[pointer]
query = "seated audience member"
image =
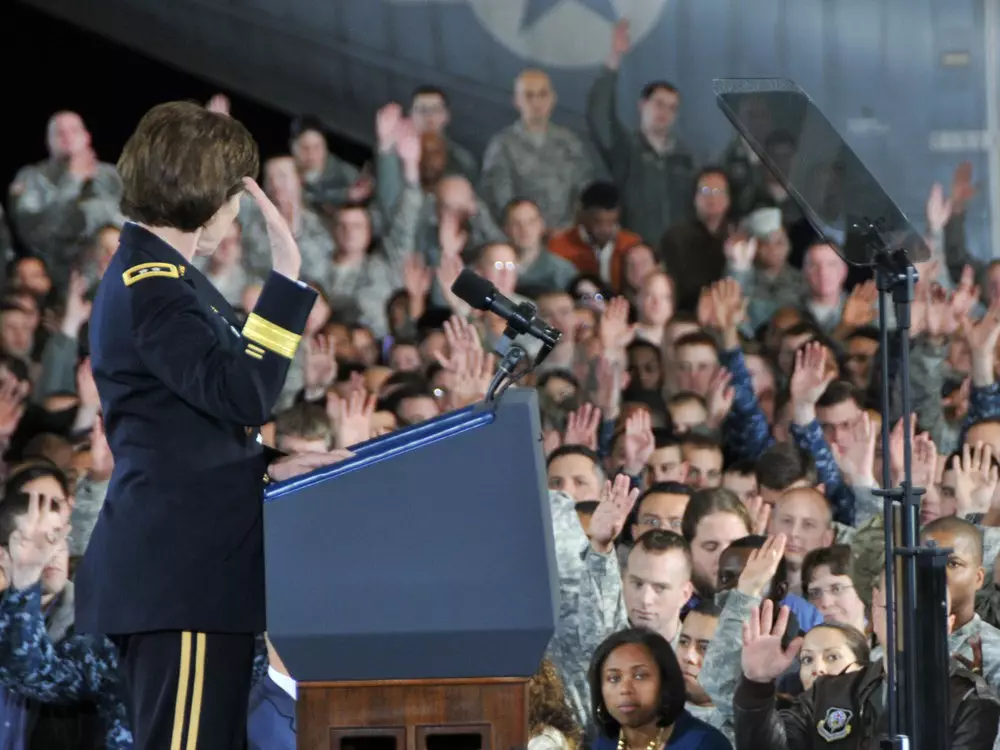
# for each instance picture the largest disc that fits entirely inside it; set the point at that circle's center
(271, 716)
(576, 470)
(828, 583)
(638, 692)
(733, 562)
(804, 516)
(597, 244)
(832, 648)
(303, 428)
(973, 711)
(697, 632)
(704, 460)
(60, 688)
(713, 519)
(741, 479)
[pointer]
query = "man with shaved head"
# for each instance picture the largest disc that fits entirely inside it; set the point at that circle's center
(965, 577)
(534, 158)
(58, 204)
(804, 516)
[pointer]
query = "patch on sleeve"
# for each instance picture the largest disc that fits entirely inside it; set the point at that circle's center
(152, 271)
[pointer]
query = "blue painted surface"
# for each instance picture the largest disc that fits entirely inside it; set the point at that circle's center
(387, 447)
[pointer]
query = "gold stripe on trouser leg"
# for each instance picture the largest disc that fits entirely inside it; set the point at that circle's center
(182, 691)
(199, 685)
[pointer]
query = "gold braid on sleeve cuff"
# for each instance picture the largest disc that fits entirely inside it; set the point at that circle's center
(272, 337)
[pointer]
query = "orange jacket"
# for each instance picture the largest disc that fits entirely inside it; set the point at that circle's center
(567, 243)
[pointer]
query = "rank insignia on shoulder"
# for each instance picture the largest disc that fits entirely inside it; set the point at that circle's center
(836, 725)
(152, 271)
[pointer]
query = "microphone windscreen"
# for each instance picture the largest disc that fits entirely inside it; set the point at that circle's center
(473, 289)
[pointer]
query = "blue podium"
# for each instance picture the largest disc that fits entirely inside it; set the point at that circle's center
(412, 588)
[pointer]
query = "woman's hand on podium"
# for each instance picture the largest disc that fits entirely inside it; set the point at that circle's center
(303, 463)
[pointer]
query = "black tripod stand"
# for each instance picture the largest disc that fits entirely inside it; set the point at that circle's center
(913, 705)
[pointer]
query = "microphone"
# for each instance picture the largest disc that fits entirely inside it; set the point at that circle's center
(482, 295)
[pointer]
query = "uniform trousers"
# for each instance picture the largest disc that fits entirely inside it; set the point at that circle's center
(187, 690)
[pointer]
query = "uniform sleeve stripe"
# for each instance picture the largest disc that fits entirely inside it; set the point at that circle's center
(150, 271)
(272, 337)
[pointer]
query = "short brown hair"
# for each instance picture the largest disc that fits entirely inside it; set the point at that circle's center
(182, 164)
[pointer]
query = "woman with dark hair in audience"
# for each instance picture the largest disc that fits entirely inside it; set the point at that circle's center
(638, 693)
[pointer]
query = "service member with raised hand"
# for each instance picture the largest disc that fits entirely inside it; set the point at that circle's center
(174, 572)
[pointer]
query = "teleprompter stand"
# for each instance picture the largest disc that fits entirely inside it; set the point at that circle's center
(846, 206)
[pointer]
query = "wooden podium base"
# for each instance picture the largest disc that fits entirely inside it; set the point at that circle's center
(474, 714)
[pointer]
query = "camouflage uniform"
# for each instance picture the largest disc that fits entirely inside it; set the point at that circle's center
(50, 667)
(313, 239)
(722, 668)
(549, 170)
(330, 186)
(591, 604)
(362, 292)
(765, 295)
(55, 213)
(89, 497)
(958, 644)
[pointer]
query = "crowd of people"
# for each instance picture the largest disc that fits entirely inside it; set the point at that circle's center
(710, 415)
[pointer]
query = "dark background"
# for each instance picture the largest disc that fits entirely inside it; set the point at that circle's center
(48, 65)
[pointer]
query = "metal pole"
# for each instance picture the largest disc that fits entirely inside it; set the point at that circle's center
(885, 282)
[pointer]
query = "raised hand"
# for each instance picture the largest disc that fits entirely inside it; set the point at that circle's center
(285, 255)
(760, 513)
(37, 539)
(764, 659)
(730, 310)
(983, 334)
(925, 460)
(719, 398)
(896, 456)
(620, 43)
(810, 377)
(86, 388)
(77, 310)
(740, 252)
(938, 209)
(11, 403)
(614, 331)
(617, 501)
(639, 442)
(976, 478)
(219, 104)
(386, 123)
(320, 366)
(858, 461)
(859, 309)
(762, 565)
(408, 148)
(351, 417)
(612, 379)
(452, 235)
(582, 426)
(472, 378)
(462, 339)
(417, 277)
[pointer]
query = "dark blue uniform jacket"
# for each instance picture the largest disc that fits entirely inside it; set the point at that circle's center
(184, 389)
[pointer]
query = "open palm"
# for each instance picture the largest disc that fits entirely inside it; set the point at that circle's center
(764, 659)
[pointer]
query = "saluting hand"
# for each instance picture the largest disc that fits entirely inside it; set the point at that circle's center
(285, 255)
